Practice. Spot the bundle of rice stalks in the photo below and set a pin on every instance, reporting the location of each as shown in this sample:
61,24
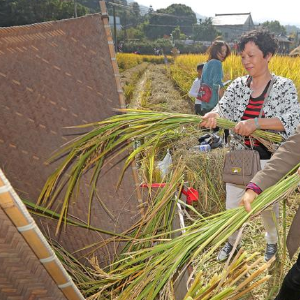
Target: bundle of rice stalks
158,217
118,135
143,274
204,173
160,210
233,282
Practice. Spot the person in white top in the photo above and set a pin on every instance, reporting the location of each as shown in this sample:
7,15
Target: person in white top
195,89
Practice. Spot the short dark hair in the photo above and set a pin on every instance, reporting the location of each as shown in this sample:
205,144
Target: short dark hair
215,48
200,66
262,38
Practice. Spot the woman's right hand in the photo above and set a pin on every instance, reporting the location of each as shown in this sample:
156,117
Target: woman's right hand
209,120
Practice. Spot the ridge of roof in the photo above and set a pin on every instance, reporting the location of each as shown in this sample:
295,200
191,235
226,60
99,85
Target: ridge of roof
234,14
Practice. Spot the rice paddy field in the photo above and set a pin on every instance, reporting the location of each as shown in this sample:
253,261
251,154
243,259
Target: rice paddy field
158,262
203,171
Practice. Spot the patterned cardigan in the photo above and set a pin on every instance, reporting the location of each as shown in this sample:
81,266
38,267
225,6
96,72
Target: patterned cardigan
282,103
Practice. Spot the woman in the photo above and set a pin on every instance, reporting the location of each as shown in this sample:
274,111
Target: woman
241,103
284,160
212,73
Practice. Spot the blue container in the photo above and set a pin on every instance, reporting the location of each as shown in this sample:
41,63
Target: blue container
204,148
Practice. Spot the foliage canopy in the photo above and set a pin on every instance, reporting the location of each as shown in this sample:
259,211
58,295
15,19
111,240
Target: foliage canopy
22,12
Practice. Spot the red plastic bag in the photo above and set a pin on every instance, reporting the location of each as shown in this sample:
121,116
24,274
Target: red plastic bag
191,195
204,93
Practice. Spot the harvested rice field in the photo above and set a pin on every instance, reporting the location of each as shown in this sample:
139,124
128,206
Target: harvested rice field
157,90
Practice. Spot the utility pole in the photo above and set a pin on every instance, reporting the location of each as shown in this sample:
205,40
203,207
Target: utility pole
125,25
75,8
115,27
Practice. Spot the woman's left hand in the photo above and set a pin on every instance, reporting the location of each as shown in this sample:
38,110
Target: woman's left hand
247,199
245,127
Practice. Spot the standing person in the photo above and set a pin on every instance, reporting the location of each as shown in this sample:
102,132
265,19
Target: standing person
284,160
242,102
195,89
212,73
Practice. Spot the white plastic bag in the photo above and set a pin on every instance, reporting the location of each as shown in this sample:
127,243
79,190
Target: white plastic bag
165,164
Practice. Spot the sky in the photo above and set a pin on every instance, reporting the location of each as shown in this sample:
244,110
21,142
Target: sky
286,12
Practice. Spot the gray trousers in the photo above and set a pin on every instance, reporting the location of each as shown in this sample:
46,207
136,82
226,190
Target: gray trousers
234,195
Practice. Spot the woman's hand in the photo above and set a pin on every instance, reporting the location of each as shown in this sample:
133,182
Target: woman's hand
247,199
298,171
209,120
245,128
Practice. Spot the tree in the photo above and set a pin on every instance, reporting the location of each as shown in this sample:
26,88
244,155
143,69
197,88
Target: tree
164,21
274,26
117,5
132,33
205,31
133,14
176,33
92,5
21,12
130,15
136,12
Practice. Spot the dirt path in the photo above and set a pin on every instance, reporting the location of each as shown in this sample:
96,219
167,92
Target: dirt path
156,90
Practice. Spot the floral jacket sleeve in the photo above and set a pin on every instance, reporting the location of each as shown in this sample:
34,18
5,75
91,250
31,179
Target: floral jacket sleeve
282,103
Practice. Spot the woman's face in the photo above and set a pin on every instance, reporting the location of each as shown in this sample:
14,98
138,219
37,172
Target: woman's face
253,60
222,53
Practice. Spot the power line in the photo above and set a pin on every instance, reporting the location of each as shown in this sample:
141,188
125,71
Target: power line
168,25
130,7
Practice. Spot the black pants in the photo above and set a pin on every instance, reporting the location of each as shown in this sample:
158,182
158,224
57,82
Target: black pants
200,111
290,288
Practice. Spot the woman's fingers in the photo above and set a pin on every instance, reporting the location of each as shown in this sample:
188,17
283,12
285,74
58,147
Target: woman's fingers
247,199
245,128
209,123
209,120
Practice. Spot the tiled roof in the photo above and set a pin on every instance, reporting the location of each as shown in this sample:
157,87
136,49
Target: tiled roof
230,19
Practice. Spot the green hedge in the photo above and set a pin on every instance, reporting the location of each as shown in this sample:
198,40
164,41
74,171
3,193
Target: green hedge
147,47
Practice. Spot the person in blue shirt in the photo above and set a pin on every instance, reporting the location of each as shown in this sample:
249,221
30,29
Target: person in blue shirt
212,73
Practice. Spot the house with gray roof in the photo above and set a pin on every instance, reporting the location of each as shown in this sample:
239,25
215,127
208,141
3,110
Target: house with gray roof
232,26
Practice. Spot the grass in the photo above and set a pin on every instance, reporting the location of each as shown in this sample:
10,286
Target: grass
129,86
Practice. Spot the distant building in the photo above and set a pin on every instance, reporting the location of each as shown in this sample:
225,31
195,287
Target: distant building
284,44
118,23
232,26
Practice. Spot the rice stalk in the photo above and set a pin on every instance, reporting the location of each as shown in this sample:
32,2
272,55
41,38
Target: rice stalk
114,137
142,274
50,214
157,220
